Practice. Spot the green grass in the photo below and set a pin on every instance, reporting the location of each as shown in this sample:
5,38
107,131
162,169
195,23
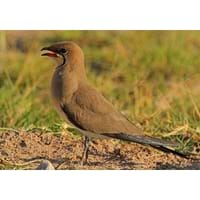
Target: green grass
153,77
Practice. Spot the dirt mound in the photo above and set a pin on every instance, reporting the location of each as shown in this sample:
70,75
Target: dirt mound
23,150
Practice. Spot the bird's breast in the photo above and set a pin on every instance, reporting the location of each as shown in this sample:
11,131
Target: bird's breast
56,86
64,84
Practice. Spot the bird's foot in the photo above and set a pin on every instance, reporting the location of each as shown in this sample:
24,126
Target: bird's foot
85,151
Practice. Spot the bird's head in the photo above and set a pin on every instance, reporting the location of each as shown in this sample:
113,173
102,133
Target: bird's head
64,52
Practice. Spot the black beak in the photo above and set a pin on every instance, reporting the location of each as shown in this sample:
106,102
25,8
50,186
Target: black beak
45,48
50,53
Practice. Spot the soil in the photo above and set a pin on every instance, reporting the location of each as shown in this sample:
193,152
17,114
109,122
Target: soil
24,150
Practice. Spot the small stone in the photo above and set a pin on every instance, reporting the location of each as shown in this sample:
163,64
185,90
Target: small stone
23,144
45,165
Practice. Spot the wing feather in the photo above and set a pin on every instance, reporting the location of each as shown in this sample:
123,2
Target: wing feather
90,111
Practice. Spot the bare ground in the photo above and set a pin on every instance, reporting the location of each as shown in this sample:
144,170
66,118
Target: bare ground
24,150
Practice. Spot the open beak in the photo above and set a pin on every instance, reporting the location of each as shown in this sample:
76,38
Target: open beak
49,52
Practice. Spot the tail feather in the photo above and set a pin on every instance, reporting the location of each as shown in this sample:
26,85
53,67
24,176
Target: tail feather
168,150
156,143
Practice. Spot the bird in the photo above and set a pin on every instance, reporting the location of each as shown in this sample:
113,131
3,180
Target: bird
85,108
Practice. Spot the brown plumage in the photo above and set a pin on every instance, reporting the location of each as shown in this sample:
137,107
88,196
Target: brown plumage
84,107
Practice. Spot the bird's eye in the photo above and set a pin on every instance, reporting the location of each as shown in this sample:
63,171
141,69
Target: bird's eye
63,50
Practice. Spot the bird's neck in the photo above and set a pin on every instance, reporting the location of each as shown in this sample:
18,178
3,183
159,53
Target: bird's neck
76,70
67,79
76,66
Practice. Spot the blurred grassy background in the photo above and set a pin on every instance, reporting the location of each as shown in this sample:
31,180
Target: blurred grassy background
153,77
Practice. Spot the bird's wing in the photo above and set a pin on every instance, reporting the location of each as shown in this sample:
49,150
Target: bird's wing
89,110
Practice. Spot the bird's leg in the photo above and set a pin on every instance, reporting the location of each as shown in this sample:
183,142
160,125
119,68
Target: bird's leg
85,151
